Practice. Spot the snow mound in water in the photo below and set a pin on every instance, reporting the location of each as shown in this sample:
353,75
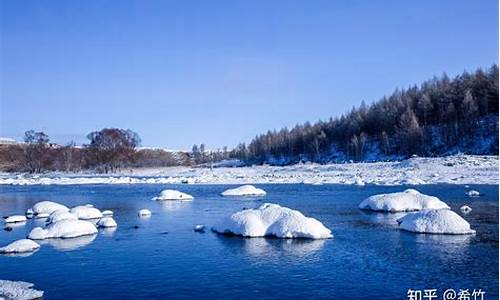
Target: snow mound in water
60,215
15,219
173,195
63,229
18,290
244,190
272,220
85,212
107,213
441,221
473,193
144,213
465,209
20,246
106,222
409,200
199,228
44,208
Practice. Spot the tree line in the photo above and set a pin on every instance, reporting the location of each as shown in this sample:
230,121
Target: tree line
440,116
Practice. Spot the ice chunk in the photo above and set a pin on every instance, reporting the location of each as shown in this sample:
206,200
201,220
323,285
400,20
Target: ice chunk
106,222
18,290
15,219
44,208
144,212
441,221
272,220
244,190
63,229
20,246
60,215
409,200
473,193
84,212
173,195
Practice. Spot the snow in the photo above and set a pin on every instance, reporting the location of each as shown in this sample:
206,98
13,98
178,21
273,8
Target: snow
106,222
85,212
18,290
272,220
409,200
107,213
15,219
465,209
442,221
144,212
473,193
44,208
173,195
60,215
20,246
63,229
244,190
457,169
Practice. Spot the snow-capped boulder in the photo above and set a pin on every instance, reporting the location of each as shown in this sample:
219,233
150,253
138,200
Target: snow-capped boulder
442,221
20,246
244,190
63,229
272,220
144,212
15,219
44,208
473,193
199,228
409,200
60,215
173,195
107,213
465,209
18,290
106,222
84,212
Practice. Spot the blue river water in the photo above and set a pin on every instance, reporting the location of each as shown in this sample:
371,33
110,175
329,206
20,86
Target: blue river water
163,258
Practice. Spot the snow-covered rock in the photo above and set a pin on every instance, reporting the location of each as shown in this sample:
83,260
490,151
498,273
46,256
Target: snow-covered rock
44,208
144,212
173,195
107,213
473,193
244,190
84,212
442,221
465,209
199,228
409,200
60,215
15,219
20,246
106,222
18,290
63,229
272,220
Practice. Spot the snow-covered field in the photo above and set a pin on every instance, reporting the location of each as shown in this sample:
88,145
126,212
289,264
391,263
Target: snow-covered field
458,169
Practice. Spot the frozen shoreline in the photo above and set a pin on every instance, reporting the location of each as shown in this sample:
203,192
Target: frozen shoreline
458,169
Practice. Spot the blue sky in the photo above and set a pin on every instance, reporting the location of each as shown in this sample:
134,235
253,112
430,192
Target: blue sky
220,72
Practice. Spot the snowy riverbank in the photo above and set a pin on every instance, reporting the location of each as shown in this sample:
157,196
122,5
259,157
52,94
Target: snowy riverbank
459,169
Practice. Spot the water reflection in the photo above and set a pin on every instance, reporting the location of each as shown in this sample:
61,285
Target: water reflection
69,244
108,231
174,205
24,254
15,225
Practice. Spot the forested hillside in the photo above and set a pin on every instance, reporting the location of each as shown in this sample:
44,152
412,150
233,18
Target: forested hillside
441,116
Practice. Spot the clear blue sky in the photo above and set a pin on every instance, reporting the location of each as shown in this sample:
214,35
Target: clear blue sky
219,72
